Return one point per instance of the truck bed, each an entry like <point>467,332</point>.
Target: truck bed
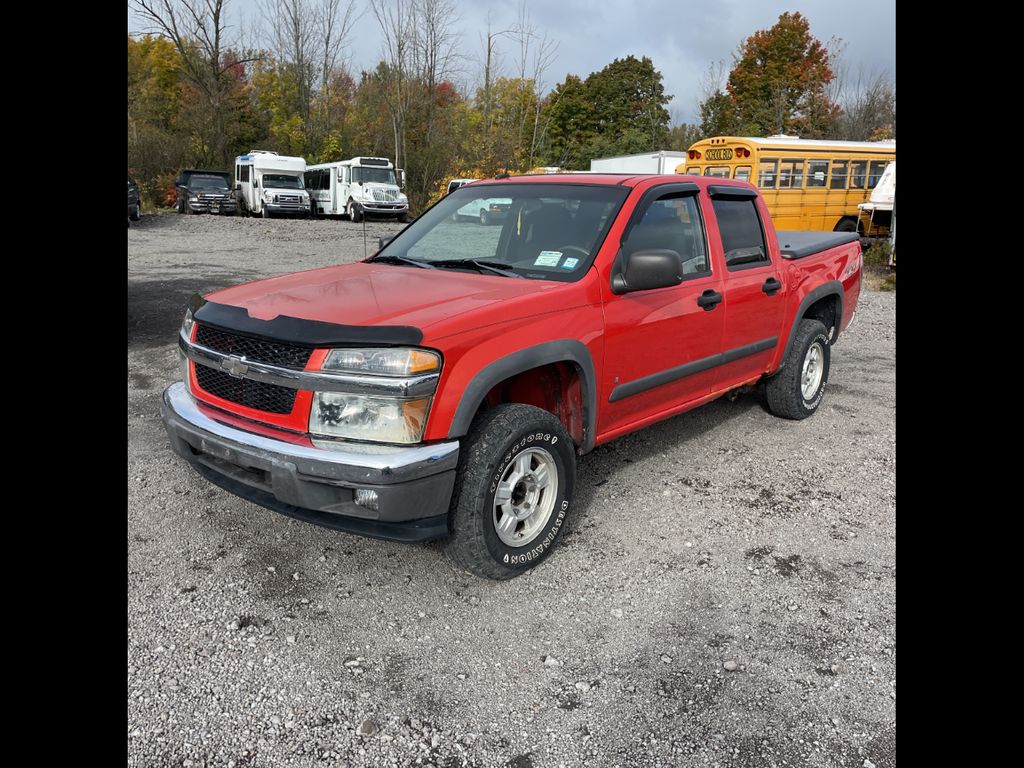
<point>796,244</point>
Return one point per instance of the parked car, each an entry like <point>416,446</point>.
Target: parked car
<point>457,183</point>
<point>205,192</point>
<point>134,201</point>
<point>445,386</point>
<point>484,210</point>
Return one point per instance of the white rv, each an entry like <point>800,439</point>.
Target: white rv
<point>356,187</point>
<point>268,183</point>
<point>662,161</point>
<point>876,214</point>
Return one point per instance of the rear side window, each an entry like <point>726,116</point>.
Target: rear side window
<point>875,173</point>
<point>858,174</point>
<point>742,235</point>
<point>742,173</point>
<point>839,168</point>
<point>817,172</point>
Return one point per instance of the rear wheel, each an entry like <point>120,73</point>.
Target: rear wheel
<point>513,489</point>
<point>403,218</point>
<point>795,392</point>
<point>846,225</point>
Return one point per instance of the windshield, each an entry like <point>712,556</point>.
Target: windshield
<point>538,230</point>
<point>365,173</point>
<point>280,181</point>
<point>208,182</point>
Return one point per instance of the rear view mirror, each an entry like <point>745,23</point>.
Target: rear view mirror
<point>647,270</point>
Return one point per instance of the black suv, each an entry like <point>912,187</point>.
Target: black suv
<point>133,200</point>
<point>205,192</point>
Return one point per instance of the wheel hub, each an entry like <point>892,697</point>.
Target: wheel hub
<point>525,497</point>
<point>813,368</point>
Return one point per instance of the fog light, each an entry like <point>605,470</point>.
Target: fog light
<point>367,498</point>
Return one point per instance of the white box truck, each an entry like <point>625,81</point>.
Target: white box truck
<point>267,183</point>
<point>662,161</point>
<point>356,187</point>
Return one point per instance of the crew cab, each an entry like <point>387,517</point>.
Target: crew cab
<point>445,386</point>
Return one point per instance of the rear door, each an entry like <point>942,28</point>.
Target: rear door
<point>660,344</point>
<point>755,297</point>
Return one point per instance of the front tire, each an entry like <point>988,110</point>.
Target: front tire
<point>796,391</point>
<point>354,213</point>
<point>264,212</point>
<point>513,490</point>
<point>403,218</point>
<point>135,215</point>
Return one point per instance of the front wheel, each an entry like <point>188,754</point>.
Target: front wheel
<point>796,391</point>
<point>354,213</point>
<point>513,489</point>
<point>135,215</point>
<point>264,212</point>
<point>403,218</point>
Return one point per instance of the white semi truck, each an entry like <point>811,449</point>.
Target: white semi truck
<point>357,187</point>
<point>267,183</point>
<point>662,161</point>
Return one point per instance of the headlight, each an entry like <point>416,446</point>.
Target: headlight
<point>187,324</point>
<point>193,199</point>
<point>402,198</point>
<point>384,362</point>
<point>268,196</point>
<point>361,417</point>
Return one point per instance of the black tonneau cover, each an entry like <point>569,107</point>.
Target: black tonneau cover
<point>795,244</point>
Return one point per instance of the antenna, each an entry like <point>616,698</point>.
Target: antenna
<point>364,235</point>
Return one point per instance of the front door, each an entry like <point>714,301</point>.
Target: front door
<point>660,344</point>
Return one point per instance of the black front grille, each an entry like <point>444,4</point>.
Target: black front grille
<point>252,394</point>
<point>257,350</point>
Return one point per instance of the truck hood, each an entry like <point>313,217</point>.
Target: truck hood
<point>383,294</point>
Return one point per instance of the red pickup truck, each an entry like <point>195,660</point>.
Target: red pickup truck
<point>445,386</point>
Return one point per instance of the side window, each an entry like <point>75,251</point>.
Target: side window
<point>693,170</point>
<point>858,174</point>
<point>742,173</point>
<point>839,170</point>
<point>245,173</point>
<point>791,174</point>
<point>767,173</point>
<point>742,236</point>
<point>717,171</point>
<point>875,172</point>
<point>817,173</point>
<point>673,222</point>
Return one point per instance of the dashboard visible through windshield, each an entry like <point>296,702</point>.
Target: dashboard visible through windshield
<point>534,230</point>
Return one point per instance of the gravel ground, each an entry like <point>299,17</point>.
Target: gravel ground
<point>724,594</point>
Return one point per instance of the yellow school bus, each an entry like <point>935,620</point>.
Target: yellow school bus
<point>807,184</point>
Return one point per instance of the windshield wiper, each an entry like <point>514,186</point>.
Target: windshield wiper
<point>495,267</point>
<point>391,259</point>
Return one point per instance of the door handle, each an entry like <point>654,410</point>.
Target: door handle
<point>771,285</point>
<point>709,299</point>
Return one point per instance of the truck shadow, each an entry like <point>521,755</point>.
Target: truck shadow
<point>608,461</point>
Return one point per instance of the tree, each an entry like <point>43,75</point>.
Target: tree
<point>779,84</point>
<point>620,109</point>
<point>198,30</point>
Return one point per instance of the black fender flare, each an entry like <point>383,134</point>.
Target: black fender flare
<point>563,350</point>
<point>831,288</point>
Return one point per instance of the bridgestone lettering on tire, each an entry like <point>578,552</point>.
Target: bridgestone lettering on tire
<point>512,457</point>
<point>796,391</point>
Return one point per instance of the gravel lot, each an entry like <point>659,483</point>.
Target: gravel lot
<point>724,594</point>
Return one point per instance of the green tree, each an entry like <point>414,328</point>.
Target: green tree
<point>778,84</point>
<point>618,110</point>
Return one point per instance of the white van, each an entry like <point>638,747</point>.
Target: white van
<point>353,188</point>
<point>268,183</point>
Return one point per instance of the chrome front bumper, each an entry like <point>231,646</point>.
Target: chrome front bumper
<point>413,484</point>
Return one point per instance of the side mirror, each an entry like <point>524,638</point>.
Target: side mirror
<point>238,186</point>
<point>646,270</point>
<point>401,177</point>
<point>382,241</point>
<point>255,182</point>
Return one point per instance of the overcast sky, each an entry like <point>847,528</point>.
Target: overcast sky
<point>682,37</point>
